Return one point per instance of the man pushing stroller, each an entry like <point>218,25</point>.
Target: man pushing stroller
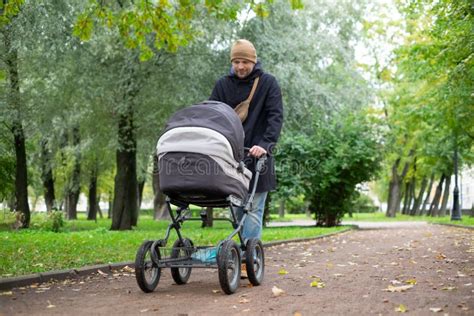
<point>256,97</point>
<point>201,161</point>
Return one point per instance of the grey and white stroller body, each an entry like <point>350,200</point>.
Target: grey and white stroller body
<point>200,159</point>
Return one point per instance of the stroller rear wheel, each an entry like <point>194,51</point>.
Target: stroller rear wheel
<point>228,264</point>
<point>255,261</point>
<point>181,250</point>
<point>147,272</point>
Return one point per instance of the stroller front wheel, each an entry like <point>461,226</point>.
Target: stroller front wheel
<point>228,264</point>
<point>147,272</point>
<point>255,261</point>
<point>181,250</point>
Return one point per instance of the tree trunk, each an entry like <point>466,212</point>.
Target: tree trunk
<point>209,222</point>
<point>111,206</point>
<point>125,208</point>
<point>406,199</point>
<point>74,187</point>
<point>394,194</point>
<point>433,211</point>
<point>13,101</point>
<point>428,195</point>
<point>47,176</point>
<point>159,199</point>
<point>141,186</point>
<point>92,202</point>
<point>281,209</point>
<point>419,198</point>
<point>444,202</point>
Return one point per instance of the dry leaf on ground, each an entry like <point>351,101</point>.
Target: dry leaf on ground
<point>128,269</point>
<point>402,288</point>
<point>277,291</point>
<point>282,272</point>
<point>448,288</point>
<point>401,309</point>
<point>411,281</point>
<point>317,284</point>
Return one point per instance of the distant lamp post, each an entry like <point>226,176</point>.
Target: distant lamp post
<point>456,213</point>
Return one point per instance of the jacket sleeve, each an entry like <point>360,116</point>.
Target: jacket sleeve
<point>274,117</point>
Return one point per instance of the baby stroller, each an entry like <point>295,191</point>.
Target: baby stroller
<point>200,159</point>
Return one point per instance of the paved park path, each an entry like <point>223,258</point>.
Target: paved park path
<point>381,269</point>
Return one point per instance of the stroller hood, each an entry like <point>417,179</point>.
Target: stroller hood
<point>199,154</point>
<point>216,116</point>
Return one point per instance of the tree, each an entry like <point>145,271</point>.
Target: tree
<point>430,101</point>
<point>8,11</point>
<point>168,26</point>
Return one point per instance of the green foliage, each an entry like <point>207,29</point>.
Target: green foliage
<point>341,153</point>
<point>9,10</point>
<point>362,204</point>
<point>7,169</point>
<point>167,24</point>
<point>52,222</point>
<point>8,220</point>
<point>296,204</point>
<point>431,103</point>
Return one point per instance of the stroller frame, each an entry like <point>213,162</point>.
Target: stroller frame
<point>152,256</point>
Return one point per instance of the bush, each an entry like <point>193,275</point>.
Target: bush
<point>10,220</point>
<point>362,204</point>
<point>326,166</point>
<point>293,205</point>
<point>52,221</point>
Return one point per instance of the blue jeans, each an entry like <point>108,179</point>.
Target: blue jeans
<point>254,220</point>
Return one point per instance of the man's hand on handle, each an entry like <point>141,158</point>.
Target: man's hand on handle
<point>257,151</point>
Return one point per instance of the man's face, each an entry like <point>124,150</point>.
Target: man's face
<point>242,67</point>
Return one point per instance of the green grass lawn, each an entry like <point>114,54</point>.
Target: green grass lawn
<point>82,243</point>
<point>380,217</point>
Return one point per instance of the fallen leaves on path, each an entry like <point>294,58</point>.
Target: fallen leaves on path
<point>402,288</point>
<point>441,256</point>
<point>448,288</point>
<point>318,284</point>
<point>401,309</point>
<point>128,269</point>
<point>411,281</point>
<point>436,309</point>
<point>282,272</point>
<point>277,291</point>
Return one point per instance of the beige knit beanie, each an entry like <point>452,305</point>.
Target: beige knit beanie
<point>243,49</point>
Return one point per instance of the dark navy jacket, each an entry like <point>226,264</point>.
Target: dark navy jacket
<point>265,118</point>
